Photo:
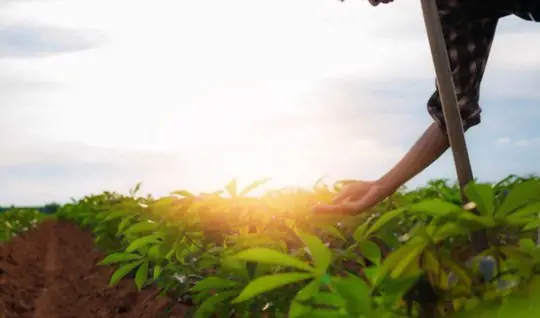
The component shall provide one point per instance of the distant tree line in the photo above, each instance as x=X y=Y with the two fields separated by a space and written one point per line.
x=49 y=208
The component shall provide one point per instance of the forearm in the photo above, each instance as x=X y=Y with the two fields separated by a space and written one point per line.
x=429 y=147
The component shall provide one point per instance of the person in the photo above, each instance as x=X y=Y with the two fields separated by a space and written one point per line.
x=468 y=27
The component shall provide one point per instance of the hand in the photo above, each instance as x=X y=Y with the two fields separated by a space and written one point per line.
x=377 y=2
x=355 y=198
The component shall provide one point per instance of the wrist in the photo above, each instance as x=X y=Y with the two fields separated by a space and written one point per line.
x=386 y=186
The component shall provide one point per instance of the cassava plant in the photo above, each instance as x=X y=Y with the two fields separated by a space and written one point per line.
x=232 y=254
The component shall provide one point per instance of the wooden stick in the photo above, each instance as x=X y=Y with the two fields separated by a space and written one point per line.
x=447 y=93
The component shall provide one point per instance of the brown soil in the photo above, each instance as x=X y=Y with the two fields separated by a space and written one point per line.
x=52 y=272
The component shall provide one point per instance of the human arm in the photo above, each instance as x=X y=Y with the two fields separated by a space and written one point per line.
x=361 y=196
x=468 y=54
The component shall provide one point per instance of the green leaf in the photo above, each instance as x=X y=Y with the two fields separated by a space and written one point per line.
x=306 y=293
x=384 y=219
x=143 y=241
x=100 y=228
x=370 y=273
x=399 y=260
x=356 y=293
x=516 y=254
x=458 y=269
x=134 y=191
x=153 y=252
x=156 y=272
x=522 y=194
x=236 y=266
x=530 y=210
x=253 y=186
x=471 y=220
x=322 y=256
x=329 y=299
x=430 y=262
x=333 y=231
x=527 y=244
x=324 y=313
x=408 y=259
x=309 y=291
x=212 y=283
x=359 y=232
x=371 y=251
x=395 y=288
x=208 y=307
x=231 y=188
x=122 y=272
x=118 y=214
x=124 y=223
x=435 y=207
x=531 y=225
x=266 y=283
x=471 y=304
x=141 y=227
x=273 y=257
x=183 y=193
x=118 y=258
x=141 y=276
x=482 y=196
x=447 y=230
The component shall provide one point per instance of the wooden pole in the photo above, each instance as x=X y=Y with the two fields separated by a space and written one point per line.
x=447 y=93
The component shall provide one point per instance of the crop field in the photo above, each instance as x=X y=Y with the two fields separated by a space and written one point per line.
x=230 y=254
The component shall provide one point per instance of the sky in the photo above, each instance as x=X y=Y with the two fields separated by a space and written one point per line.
x=98 y=95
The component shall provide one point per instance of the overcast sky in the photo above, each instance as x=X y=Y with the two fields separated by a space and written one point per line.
x=100 y=94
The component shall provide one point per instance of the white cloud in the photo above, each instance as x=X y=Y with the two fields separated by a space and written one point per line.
x=527 y=142
x=190 y=92
x=503 y=141
x=30 y=41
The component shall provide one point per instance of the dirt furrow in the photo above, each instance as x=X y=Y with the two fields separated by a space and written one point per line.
x=21 y=277
x=42 y=304
x=51 y=272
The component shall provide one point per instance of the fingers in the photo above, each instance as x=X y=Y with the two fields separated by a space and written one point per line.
x=377 y=2
x=334 y=209
x=354 y=200
x=346 y=207
x=347 y=192
x=354 y=191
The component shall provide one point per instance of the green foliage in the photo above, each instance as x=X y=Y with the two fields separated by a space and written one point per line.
x=14 y=221
x=269 y=256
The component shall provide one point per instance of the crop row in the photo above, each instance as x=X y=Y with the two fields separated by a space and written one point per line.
x=14 y=221
x=234 y=255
